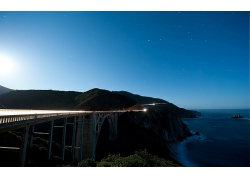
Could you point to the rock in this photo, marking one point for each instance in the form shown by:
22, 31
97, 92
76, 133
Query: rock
197, 133
236, 116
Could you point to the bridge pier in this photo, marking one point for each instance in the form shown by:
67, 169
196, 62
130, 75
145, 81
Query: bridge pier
88, 132
32, 135
50, 139
113, 126
64, 137
93, 119
73, 141
23, 148
87, 137
80, 138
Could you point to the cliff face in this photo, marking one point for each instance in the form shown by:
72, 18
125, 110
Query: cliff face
167, 126
152, 130
165, 105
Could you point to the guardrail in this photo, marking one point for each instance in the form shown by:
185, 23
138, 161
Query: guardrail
36, 114
15, 118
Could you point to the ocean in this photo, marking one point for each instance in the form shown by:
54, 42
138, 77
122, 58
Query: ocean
223, 141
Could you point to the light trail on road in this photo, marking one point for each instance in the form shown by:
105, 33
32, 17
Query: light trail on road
10, 112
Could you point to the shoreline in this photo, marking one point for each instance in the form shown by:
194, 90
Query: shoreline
180, 149
224, 142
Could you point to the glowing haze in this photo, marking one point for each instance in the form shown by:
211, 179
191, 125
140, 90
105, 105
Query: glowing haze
192, 59
7, 65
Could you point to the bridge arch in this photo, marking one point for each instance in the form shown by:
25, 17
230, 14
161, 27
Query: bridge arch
87, 126
88, 135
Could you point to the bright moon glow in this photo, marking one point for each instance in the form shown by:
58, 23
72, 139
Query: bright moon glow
6, 66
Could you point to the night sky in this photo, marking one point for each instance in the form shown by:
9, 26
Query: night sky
195, 60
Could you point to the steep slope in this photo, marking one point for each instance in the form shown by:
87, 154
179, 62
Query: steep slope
98, 99
4, 90
95, 99
141, 99
153, 130
39, 99
166, 106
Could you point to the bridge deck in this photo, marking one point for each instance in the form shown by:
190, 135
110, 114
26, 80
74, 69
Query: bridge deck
87, 126
16, 118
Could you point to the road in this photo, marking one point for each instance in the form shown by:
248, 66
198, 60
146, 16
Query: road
10, 112
14, 112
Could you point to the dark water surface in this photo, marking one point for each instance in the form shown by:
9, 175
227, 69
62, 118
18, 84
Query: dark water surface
224, 141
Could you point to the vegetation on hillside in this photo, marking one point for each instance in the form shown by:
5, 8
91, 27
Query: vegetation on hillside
140, 99
92, 100
140, 158
167, 106
97, 99
39, 99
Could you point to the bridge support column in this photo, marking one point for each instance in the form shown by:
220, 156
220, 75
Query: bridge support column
50, 139
22, 155
113, 126
87, 137
64, 137
80, 138
73, 140
93, 119
32, 135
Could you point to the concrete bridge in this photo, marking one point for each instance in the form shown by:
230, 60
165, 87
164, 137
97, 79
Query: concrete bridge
86, 129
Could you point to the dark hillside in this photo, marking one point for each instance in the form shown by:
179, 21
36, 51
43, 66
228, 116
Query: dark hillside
167, 106
4, 90
171, 108
39, 99
140, 99
94, 99
98, 99
152, 130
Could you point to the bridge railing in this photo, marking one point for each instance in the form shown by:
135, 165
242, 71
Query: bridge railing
36, 114
23, 117
15, 118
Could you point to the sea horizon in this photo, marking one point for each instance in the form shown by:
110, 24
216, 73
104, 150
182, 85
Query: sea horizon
223, 141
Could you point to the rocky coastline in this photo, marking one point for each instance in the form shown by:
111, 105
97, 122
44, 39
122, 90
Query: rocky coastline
153, 130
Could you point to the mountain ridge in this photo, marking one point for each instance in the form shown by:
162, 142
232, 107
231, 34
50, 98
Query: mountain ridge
4, 90
153, 130
141, 99
91, 100
99, 99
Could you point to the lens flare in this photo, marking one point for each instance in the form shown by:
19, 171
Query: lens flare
6, 65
